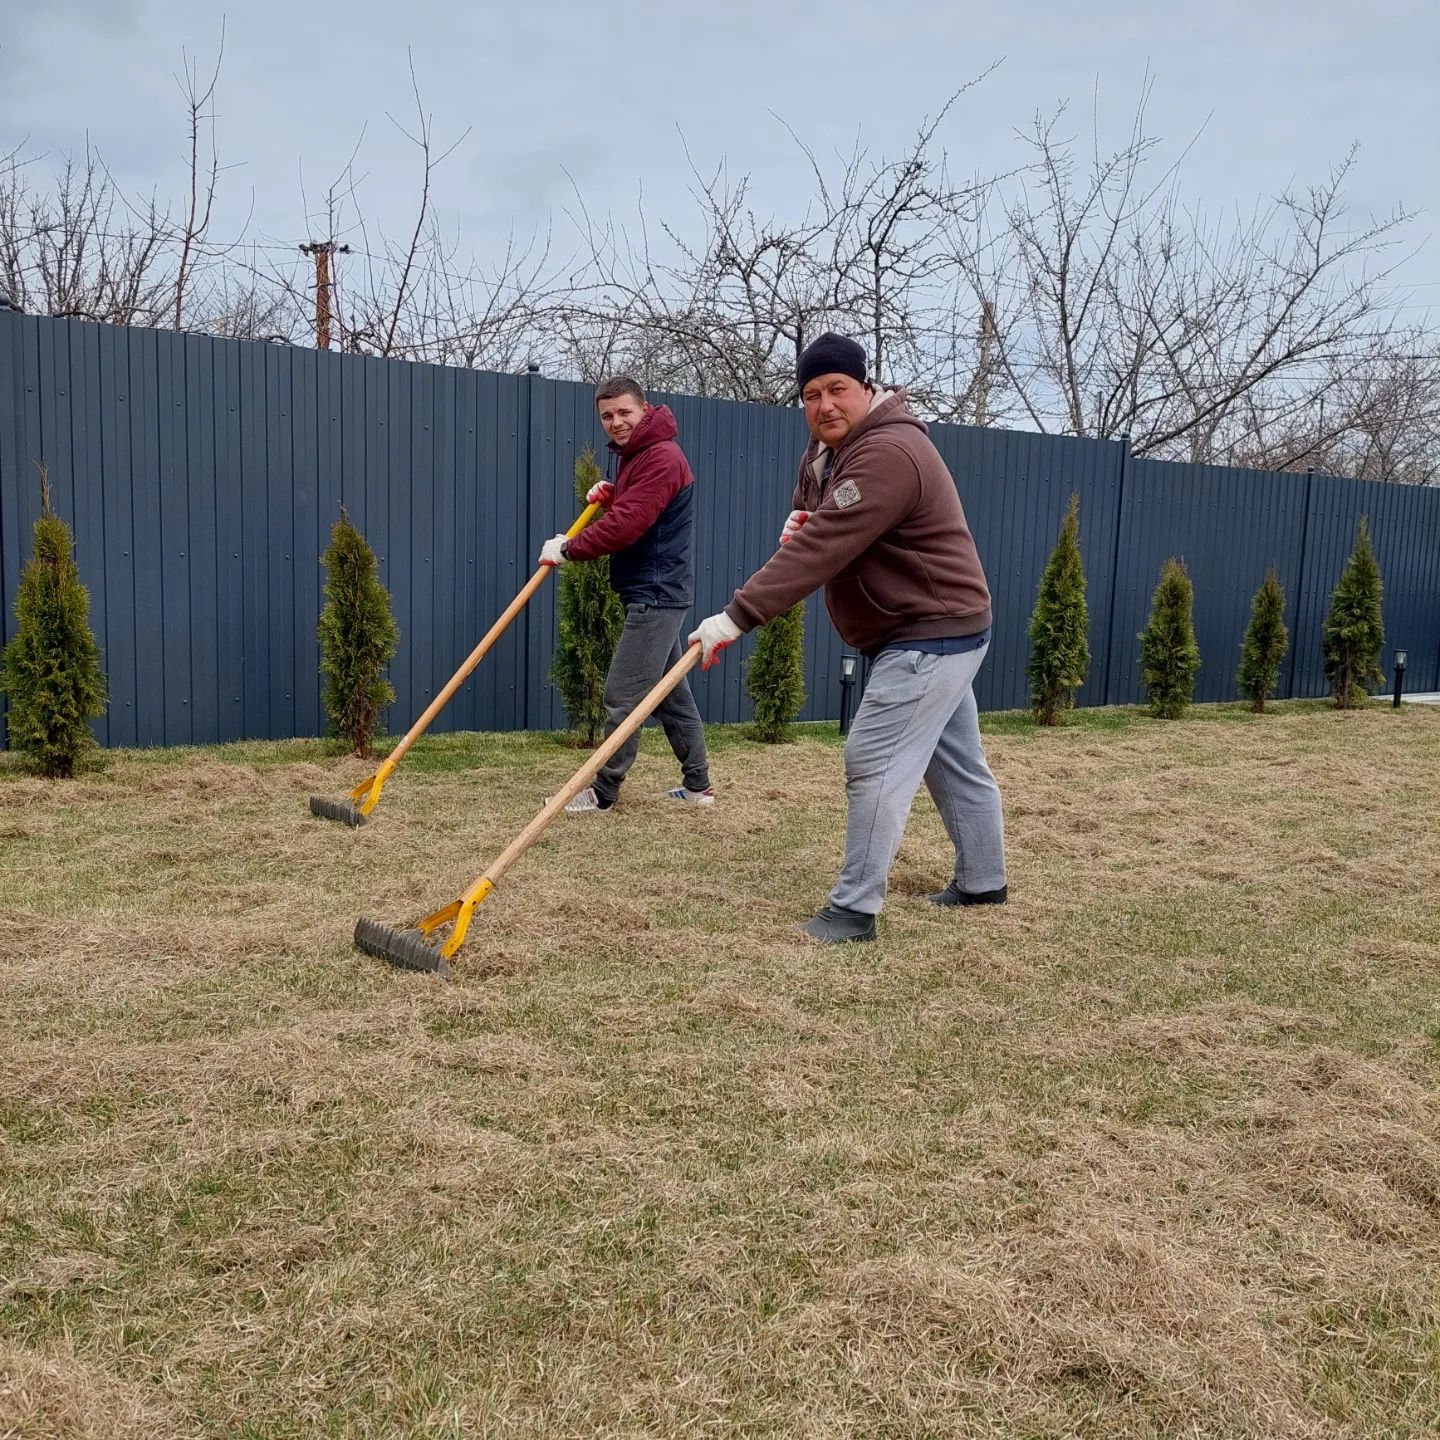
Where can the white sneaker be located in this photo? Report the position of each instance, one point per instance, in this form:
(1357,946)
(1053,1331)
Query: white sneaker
(586,802)
(692,797)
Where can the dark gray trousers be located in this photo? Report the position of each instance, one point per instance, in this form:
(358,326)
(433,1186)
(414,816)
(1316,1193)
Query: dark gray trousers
(649,646)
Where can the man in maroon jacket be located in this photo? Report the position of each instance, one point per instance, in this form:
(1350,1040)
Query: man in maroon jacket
(878,522)
(646,532)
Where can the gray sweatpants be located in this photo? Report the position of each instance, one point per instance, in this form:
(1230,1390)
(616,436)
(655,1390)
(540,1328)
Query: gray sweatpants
(918,721)
(649,646)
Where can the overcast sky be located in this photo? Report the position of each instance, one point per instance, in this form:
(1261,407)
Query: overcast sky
(1276,89)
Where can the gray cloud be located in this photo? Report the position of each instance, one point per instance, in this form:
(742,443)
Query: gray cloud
(1277,91)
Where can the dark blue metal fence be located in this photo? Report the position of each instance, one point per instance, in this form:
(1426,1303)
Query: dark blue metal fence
(1229,526)
(202,477)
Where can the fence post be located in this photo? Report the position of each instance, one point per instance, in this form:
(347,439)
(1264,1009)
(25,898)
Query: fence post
(1115,567)
(1300,584)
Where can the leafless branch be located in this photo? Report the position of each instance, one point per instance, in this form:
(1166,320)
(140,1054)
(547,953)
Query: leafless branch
(197,216)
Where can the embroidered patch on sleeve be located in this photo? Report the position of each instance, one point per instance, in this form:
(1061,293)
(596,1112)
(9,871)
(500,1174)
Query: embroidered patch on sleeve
(847,495)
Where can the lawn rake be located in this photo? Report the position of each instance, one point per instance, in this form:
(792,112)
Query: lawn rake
(366,795)
(413,949)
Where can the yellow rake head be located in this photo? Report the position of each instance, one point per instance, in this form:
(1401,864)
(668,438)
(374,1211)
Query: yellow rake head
(413,949)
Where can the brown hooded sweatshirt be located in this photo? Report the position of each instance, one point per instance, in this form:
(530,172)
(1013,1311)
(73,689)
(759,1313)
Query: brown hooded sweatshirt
(886,537)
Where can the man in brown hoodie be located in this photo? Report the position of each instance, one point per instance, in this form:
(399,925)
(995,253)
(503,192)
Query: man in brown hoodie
(878,522)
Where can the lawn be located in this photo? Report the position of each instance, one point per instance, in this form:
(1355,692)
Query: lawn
(1152,1151)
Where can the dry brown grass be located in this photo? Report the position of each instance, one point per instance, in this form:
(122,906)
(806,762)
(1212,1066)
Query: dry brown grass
(1153,1151)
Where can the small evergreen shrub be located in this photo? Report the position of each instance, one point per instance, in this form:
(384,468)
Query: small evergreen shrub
(776,677)
(591,618)
(1059,647)
(1355,626)
(1266,640)
(358,636)
(51,668)
(1169,656)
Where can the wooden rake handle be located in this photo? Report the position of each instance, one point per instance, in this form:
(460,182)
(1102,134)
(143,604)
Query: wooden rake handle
(483,648)
(591,768)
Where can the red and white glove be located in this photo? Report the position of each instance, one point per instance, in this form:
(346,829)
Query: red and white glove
(714,634)
(552,552)
(792,525)
(601,493)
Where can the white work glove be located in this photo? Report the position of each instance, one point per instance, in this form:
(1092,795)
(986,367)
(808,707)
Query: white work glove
(714,634)
(552,552)
(792,525)
(601,493)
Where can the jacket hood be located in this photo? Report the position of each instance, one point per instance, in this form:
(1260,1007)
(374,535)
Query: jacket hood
(656,425)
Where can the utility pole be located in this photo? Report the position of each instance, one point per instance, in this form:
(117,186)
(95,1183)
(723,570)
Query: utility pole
(322,250)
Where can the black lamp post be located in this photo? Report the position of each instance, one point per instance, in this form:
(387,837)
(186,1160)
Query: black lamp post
(848,664)
(1401,657)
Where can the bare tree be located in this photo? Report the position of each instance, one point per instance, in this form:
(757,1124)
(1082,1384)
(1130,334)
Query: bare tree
(1077,295)
(81,250)
(250,298)
(895,278)
(1374,416)
(418,299)
(715,316)
(1119,311)
(725,306)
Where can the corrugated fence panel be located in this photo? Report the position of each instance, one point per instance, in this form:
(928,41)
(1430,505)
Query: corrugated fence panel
(123,618)
(202,477)
(310,475)
(232,628)
(172,499)
(142,420)
(500,505)
(560,426)
(1228,526)
(462,493)
(1409,554)
(13,445)
(745,459)
(254,537)
(432,469)
(87,475)
(1405,527)
(201,535)
(392,541)
(447,643)
(1015,489)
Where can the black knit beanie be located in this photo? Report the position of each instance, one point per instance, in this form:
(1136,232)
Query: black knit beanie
(830,355)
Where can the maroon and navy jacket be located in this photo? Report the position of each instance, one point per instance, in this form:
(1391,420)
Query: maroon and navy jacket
(647,529)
